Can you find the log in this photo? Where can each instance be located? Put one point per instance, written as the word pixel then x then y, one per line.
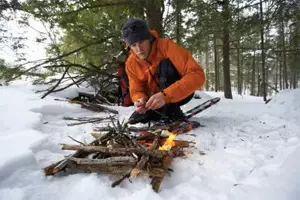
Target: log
pixel 144 159
pixel 156 181
pixel 60 165
pixel 49 170
pixel 115 170
pixel 123 160
pixel 112 151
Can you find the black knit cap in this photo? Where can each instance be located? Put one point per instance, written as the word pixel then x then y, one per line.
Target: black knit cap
pixel 135 30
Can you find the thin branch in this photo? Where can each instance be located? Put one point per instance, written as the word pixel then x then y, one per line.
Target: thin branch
pixel 57 84
pixel 59 57
pixel 76 140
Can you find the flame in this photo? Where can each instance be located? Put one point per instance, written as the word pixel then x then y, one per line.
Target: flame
pixel 169 142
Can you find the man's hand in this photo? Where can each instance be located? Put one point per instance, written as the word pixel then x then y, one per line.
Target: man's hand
pixel 140 106
pixel 156 101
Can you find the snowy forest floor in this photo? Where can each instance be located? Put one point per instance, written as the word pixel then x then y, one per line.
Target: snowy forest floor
pixel 247 150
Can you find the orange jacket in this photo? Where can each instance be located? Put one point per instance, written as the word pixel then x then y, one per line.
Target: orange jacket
pixel 141 83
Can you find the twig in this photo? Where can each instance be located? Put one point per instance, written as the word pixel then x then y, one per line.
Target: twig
pixel 57 83
pixel 126 175
pixel 76 140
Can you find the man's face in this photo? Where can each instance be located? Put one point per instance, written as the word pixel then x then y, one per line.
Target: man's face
pixel 141 48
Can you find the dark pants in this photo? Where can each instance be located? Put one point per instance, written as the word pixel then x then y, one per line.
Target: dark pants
pixel 167 74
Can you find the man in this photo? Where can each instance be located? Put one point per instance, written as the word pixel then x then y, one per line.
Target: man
pixel 162 75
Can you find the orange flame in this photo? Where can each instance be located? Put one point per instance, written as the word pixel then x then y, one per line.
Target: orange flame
pixel 169 143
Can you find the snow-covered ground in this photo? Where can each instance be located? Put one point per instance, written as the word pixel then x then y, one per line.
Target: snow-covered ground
pixel 252 151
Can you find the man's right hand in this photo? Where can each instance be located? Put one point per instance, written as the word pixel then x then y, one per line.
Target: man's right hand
pixel 140 106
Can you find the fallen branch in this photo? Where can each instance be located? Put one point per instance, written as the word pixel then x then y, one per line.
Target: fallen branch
pixel 57 83
pixel 114 170
pixel 111 151
pixel 121 160
pixel 156 181
pixel 95 107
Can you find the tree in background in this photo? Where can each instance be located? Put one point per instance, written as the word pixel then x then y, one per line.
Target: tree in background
pixel 246 46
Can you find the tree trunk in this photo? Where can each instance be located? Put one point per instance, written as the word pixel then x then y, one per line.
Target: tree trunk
pixel 263 70
pixel 207 71
pixel 283 53
pixel 280 73
pixel 154 13
pixel 217 71
pixel 226 50
pixel 242 72
pixel 276 74
pixel 178 21
pixel 295 55
pixel 239 76
pixel 253 75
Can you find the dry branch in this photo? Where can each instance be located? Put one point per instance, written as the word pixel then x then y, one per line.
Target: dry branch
pixel 119 153
pixel 121 160
pixel 156 181
pixel 115 170
pixel 95 107
pixel 112 151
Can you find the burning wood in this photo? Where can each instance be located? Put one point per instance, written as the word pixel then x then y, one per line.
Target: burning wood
pixel 169 143
pixel 116 151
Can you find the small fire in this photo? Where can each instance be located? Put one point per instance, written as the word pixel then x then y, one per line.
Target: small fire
pixel 169 142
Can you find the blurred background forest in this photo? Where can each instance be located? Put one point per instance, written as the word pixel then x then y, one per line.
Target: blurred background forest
pixel 249 47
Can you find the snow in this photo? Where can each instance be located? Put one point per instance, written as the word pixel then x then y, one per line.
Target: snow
pixel 247 150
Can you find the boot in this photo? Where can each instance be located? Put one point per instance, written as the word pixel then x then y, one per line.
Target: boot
pixel 177 113
pixel 138 118
pixel 174 112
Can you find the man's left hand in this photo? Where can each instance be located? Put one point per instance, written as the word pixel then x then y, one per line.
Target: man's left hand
pixel 156 101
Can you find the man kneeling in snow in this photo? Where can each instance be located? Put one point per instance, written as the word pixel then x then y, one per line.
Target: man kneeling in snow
pixel 162 75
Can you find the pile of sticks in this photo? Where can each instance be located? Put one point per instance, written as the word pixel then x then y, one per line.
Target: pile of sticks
pixel 120 152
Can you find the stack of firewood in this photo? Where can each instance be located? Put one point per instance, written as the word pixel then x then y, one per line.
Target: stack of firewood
pixel 118 151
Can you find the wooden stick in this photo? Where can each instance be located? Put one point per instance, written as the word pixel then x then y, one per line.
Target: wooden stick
pixel 156 181
pixel 111 151
pixel 95 107
pixel 119 181
pixel 56 167
pixel 115 170
pixel 120 160
pixel 84 122
pixel 76 140
pixel 141 164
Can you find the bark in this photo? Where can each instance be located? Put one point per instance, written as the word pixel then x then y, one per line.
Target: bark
pixel 207 69
pixel 141 164
pixel 239 76
pixel 253 75
pixel 280 73
pixel 276 73
pixel 217 71
pixel 243 82
pixel 263 70
pixel 111 161
pixel 115 170
pixel 61 165
pixel 178 21
pixel 154 13
pixel 112 151
pixel 283 53
pixel 156 181
pixel 226 50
